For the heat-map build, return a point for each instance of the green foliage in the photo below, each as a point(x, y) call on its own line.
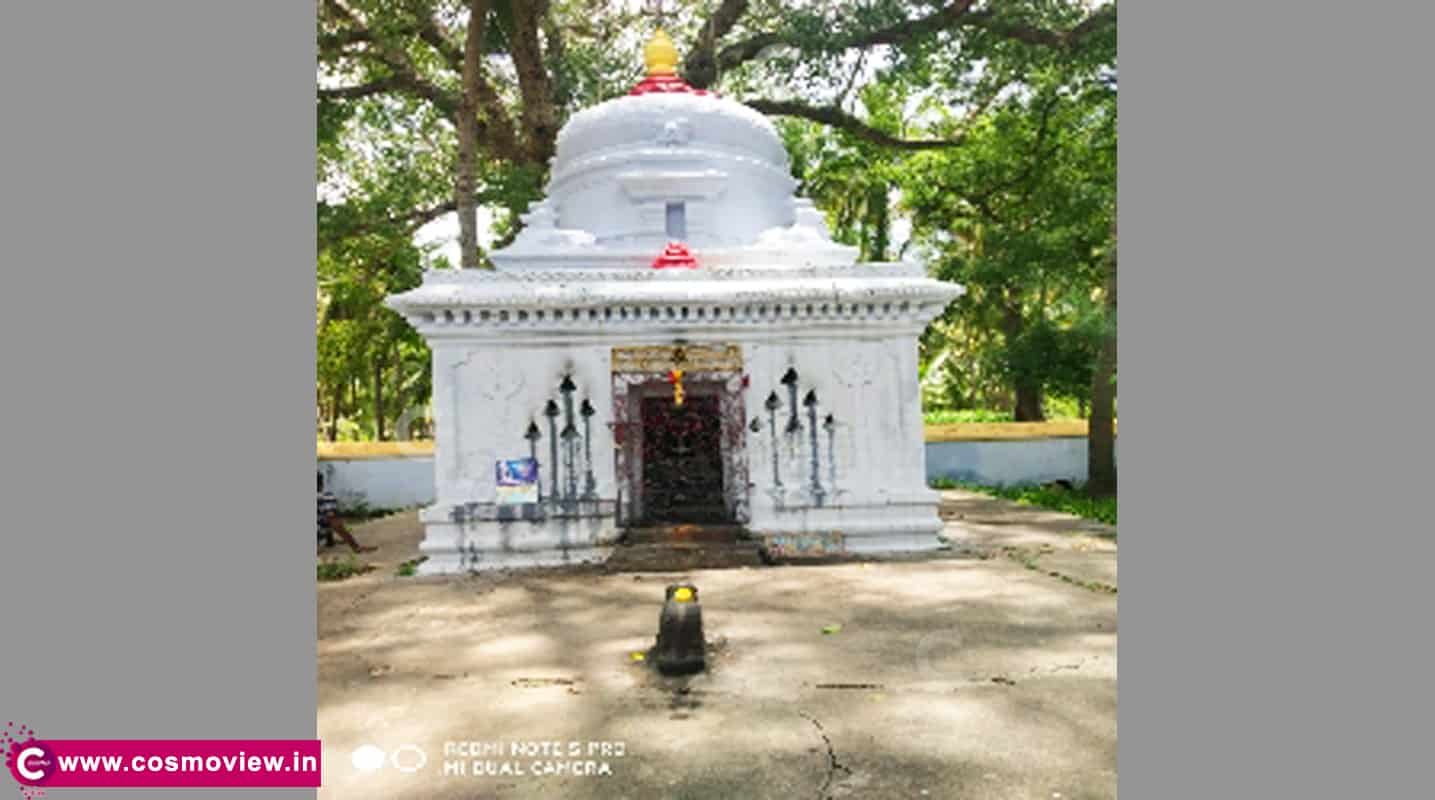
point(362, 512)
point(1021, 216)
point(1018, 209)
point(338, 569)
point(948, 416)
point(1073, 501)
point(410, 568)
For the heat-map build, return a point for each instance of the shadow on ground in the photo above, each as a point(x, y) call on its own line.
point(948, 677)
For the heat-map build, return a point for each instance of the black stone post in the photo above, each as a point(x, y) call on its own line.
point(681, 649)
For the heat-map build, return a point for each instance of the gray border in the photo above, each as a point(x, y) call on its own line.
point(157, 230)
point(157, 239)
point(1271, 216)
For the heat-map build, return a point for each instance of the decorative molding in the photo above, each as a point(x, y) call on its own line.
point(672, 185)
point(691, 357)
point(894, 307)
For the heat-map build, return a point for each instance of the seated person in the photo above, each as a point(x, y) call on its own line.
point(330, 524)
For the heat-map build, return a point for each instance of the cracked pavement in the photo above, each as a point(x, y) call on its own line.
point(964, 674)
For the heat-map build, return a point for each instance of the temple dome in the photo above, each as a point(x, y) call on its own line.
point(669, 162)
point(669, 120)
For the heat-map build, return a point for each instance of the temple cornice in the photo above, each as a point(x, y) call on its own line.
point(628, 301)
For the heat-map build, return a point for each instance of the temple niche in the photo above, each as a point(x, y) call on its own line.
point(673, 338)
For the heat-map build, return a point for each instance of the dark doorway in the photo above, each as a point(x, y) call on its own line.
point(682, 460)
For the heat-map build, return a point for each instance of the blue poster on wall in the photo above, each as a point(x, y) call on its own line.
point(517, 480)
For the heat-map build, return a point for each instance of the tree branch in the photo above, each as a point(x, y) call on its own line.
point(700, 67)
point(702, 73)
point(423, 216)
point(405, 77)
point(470, 129)
point(540, 118)
point(1022, 32)
point(435, 37)
point(382, 86)
point(982, 200)
point(747, 49)
point(335, 42)
point(837, 118)
point(410, 221)
point(558, 56)
point(903, 32)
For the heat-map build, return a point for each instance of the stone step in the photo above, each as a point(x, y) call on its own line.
point(683, 556)
point(685, 533)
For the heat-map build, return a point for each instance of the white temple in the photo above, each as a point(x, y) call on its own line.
point(674, 337)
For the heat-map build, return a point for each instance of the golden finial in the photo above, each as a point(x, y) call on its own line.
point(660, 55)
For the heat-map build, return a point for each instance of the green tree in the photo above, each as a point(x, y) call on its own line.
point(432, 107)
point(1021, 215)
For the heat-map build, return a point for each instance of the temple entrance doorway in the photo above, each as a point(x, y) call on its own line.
point(682, 459)
point(680, 462)
point(681, 466)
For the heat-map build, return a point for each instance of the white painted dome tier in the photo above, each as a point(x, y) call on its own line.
point(668, 121)
point(625, 167)
point(671, 164)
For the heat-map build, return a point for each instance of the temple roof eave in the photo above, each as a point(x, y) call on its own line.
point(579, 294)
point(506, 309)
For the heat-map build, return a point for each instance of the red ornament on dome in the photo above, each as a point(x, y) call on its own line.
point(676, 254)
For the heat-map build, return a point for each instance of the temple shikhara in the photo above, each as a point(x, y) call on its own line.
point(673, 338)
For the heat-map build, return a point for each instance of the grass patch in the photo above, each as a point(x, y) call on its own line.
point(1029, 559)
point(1057, 498)
point(410, 568)
point(971, 415)
point(949, 416)
point(362, 513)
point(338, 569)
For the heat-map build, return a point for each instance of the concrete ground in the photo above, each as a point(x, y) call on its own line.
point(988, 671)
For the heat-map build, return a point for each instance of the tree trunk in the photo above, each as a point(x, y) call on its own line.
point(467, 123)
point(334, 417)
point(1028, 403)
point(878, 223)
point(1101, 428)
point(539, 114)
point(398, 394)
point(378, 399)
point(1027, 407)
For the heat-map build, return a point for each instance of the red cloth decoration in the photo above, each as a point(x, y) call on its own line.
point(676, 254)
point(666, 84)
point(675, 377)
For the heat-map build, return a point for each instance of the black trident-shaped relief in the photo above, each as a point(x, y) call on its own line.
point(794, 426)
point(590, 486)
point(810, 403)
point(533, 435)
point(789, 379)
point(772, 405)
point(550, 410)
point(570, 441)
point(564, 487)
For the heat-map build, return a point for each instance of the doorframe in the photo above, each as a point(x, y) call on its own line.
point(631, 383)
